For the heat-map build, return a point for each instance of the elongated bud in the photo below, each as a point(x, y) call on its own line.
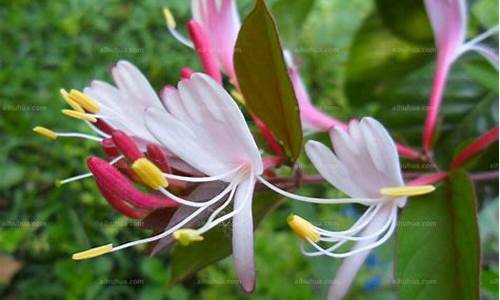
point(187, 236)
point(158, 157)
point(126, 146)
point(476, 147)
point(149, 173)
point(205, 50)
point(120, 205)
point(104, 126)
point(109, 147)
point(115, 183)
point(303, 228)
point(94, 252)
point(52, 135)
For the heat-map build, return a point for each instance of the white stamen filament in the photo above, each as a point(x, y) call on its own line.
point(201, 179)
point(86, 175)
point(365, 219)
point(227, 216)
point(364, 201)
point(97, 130)
point(179, 37)
point(199, 204)
point(230, 189)
point(79, 135)
point(391, 223)
point(481, 37)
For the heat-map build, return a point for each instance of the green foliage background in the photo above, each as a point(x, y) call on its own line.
point(47, 45)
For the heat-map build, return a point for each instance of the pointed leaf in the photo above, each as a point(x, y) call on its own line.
point(437, 247)
point(264, 81)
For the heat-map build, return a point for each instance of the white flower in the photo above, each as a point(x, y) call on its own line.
point(366, 167)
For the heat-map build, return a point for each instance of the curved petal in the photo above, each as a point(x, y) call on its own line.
point(215, 123)
point(332, 169)
point(131, 81)
point(243, 236)
point(382, 150)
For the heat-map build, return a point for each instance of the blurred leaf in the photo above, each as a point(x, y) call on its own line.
point(437, 252)
point(486, 11)
point(187, 260)
point(290, 16)
point(483, 73)
point(264, 81)
point(406, 19)
point(378, 61)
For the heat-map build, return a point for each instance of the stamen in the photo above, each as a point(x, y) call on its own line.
point(303, 228)
point(149, 173)
point(169, 18)
point(186, 236)
point(52, 135)
point(198, 204)
point(202, 179)
point(364, 201)
point(79, 115)
point(93, 252)
point(170, 21)
point(74, 105)
point(85, 101)
point(407, 191)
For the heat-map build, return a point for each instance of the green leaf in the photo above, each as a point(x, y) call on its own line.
point(378, 60)
point(406, 19)
point(290, 15)
point(187, 260)
point(437, 249)
point(264, 81)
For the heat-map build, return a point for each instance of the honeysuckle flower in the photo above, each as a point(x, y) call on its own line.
point(202, 125)
point(366, 167)
point(220, 22)
point(448, 19)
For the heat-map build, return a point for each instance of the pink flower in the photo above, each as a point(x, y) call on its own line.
point(449, 22)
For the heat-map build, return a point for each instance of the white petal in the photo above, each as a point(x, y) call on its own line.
point(131, 81)
point(351, 151)
point(243, 236)
point(382, 150)
point(332, 169)
point(182, 141)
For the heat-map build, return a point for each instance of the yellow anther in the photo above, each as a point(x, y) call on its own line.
point(79, 115)
point(84, 101)
point(45, 132)
point(97, 251)
point(407, 191)
point(187, 236)
point(303, 228)
point(149, 173)
point(169, 18)
point(74, 105)
point(238, 96)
